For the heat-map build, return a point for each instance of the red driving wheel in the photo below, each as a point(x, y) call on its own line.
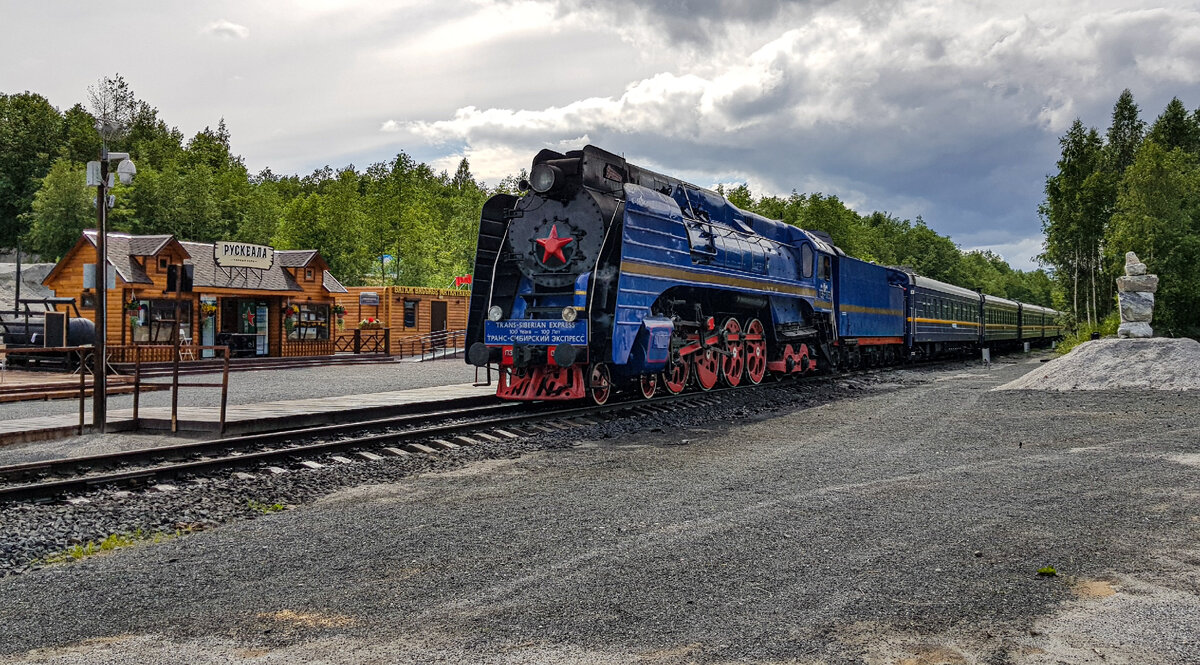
point(675, 376)
point(707, 366)
point(733, 364)
point(755, 351)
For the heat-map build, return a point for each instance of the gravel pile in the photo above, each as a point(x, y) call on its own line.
point(1158, 363)
point(32, 275)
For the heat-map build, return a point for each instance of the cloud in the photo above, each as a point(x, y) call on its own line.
point(390, 126)
point(949, 111)
point(226, 30)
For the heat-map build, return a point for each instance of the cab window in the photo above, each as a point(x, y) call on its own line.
point(825, 272)
point(806, 260)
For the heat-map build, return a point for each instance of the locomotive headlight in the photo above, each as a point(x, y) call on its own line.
point(569, 314)
point(544, 177)
point(495, 313)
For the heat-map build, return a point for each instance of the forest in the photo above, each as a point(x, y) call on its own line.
point(394, 222)
point(1134, 188)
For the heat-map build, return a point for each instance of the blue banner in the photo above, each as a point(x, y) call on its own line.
point(541, 332)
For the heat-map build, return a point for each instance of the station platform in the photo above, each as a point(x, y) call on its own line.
point(253, 418)
point(23, 386)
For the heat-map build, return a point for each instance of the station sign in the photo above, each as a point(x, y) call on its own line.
point(542, 332)
point(369, 298)
point(243, 255)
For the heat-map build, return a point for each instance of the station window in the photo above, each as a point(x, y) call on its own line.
point(410, 313)
point(307, 321)
point(163, 262)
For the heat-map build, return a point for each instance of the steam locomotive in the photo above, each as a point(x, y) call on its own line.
point(605, 276)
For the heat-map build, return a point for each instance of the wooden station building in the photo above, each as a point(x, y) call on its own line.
point(257, 300)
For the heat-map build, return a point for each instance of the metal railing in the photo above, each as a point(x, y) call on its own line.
point(175, 384)
point(370, 340)
point(83, 352)
point(437, 344)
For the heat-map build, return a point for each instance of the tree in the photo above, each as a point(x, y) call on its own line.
point(1158, 216)
point(61, 210)
point(1124, 134)
point(1074, 215)
point(30, 136)
point(1175, 128)
point(81, 141)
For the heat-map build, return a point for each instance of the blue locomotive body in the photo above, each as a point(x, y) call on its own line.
point(606, 275)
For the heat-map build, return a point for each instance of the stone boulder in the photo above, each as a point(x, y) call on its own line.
point(1133, 265)
point(1136, 307)
point(1138, 330)
point(1138, 283)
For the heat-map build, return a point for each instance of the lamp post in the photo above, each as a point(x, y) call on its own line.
point(125, 171)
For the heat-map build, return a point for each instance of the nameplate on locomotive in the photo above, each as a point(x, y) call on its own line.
point(542, 332)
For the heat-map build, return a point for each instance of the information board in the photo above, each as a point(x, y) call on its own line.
point(540, 332)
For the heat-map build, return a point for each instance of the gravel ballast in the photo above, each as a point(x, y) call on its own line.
point(900, 518)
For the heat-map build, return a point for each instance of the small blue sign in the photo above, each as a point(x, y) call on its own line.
point(540, 332)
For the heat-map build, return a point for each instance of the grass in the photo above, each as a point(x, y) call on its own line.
point(112, 542)
point(265, 508)
point(1048, 571)
point(1083, 332)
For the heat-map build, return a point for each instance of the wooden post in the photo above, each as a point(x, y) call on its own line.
point(387, 341)
point(137, 381)
point(175, 351)
point(224, 392)
point(357, 340)
point(82, 376)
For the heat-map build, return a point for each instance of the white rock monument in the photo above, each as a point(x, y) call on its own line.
point(1135, 294)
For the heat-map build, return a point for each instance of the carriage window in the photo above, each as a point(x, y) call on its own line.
point(806, 260)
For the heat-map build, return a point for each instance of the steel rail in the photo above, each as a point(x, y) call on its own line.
point(53, 488)
point(68, 464)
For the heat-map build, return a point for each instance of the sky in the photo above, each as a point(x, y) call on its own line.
point(947, 110)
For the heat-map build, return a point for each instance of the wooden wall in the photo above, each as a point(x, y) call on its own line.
point(391, 309)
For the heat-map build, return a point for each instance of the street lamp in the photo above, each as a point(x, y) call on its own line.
point(125, 171)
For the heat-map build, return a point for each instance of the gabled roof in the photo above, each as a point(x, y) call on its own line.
point(295, 258)
point(331, 283)
point(123, 247)
point(209, 274)
point(146, 245)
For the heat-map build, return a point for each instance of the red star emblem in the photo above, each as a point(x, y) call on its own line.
point(552, 245)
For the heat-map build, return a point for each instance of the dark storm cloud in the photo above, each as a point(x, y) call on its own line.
point(691, 22)
point(946, 111)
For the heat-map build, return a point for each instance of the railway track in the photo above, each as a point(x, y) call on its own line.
point(399, 435)
point(51, 479)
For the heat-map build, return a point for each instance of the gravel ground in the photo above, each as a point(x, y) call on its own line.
point(276, 384)
point(895, 519)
